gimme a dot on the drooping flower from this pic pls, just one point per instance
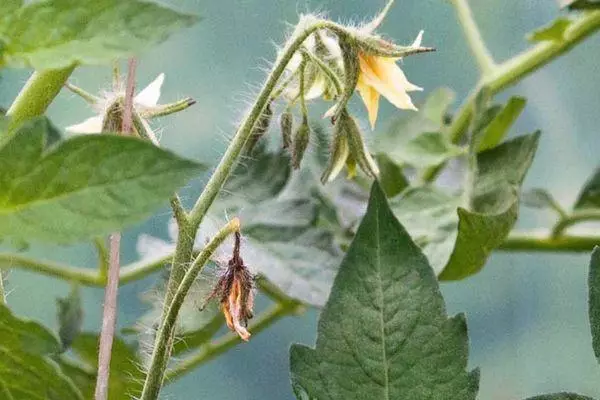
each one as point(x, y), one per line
point(144, 101)
point(381, 76)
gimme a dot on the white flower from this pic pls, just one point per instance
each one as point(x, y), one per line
point(145, 100)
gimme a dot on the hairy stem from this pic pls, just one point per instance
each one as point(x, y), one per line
point(515, 69)
point(164, 336)
point(37, 94)
point(477, 45)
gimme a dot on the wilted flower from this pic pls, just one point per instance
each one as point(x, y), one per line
point(235, 290)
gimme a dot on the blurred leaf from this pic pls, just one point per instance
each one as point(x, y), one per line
point(384, 332)
point(426, 150)
point(538, 198)
point(391, 178)
point(494, 205)
point(419, 132)
point(594, 300)
point(25, 369)
point(500, 124)
point(579, 4)
point(589, 197)
point(126, 376)
point(437, 104)
point(458, 241)
point(86, 186)
point(561, 396)
point(70, 317)
point(282, 241)
point(552, 32)
point(54, 34)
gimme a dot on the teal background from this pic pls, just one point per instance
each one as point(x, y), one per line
point(527, 313)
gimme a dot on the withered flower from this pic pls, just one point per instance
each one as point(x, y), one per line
point(235, 288)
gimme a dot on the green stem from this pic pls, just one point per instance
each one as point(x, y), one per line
point(573, 219)
point(477, 45)
point(85, 276)
point(167, 109)
point(88, 97)
point(103, 258)
point(538, 241)
point(2, 293)
point(37, 94)
point(330, 73)
point(515, 69)
point(228, 341)
point(164, 336)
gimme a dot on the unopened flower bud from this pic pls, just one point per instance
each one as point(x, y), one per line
point(358, 149)
point(351, 73)
point(301, 139)
point(338, 156)
point(286, 123)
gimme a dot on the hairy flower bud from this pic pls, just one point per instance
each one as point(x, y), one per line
point(286, 123)
point(301, 140)
point(358, 149)
point(338, 156)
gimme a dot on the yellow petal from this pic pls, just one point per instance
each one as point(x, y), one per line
point(370, 97)
point(394, 74)
point(378, 75)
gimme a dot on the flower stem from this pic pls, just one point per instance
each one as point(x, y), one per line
point(37, 94)
point(515, 69)
point(477, 45)
point(164, 336)
point(573, 219)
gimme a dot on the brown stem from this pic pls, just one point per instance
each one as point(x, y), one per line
point(109, 315)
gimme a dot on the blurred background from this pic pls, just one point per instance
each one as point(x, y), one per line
point(526, 313)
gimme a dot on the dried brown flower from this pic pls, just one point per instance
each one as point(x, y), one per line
point(235, 289)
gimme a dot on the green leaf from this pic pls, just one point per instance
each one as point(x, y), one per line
point(594, 300)
point(494, 205)
point(503, 119)
point(86, 186)
point(426, 150)
point(26, 372)
point(391, 178)
point(70, 317)
point(456, 240)
point(437, 104)
point(554, 31)
point(54, 34)
point(538, 198)
point(125, 379)
point(384, 333)
point(561, 396)
point(589, 197)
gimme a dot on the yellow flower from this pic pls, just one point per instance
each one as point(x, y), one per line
point(381, 76)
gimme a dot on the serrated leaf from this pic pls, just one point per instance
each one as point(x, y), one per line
point(561, 396)
point(126, 376)
point(26, 372)
point(594, 300)
point(70, 317)
point(54, 34)
point(384, 333)
point(554, 31)
point(86, 186)
point(589, 197)
point(458, 241)
point(503, 118)
point(425, 150)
